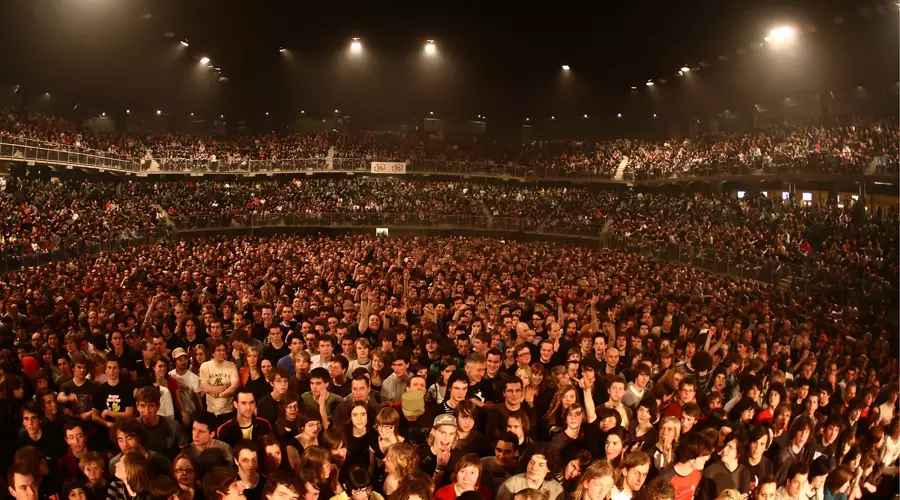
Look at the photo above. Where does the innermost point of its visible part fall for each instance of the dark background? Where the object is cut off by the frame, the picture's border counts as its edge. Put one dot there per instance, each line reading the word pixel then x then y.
pixel 497 59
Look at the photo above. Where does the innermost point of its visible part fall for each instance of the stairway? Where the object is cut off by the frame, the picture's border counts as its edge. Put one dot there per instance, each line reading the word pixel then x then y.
pixel 620 172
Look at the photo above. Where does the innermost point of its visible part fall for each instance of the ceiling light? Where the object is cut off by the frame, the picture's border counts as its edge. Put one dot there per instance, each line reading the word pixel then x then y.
pixel 566 67
pixel 685 69
pixel 184 42
pixel 158 112
pixel 430 47
pixel 619 115
pixel 356 46
pixel 650 83
pixel 204 60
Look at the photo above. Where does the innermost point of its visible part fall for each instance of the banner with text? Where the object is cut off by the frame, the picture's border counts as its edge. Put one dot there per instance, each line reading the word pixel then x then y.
pixel 388 167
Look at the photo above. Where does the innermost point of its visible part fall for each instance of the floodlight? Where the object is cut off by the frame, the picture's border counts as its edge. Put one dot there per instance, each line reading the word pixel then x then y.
pixel 356 46
pixel 781 34
pixel 103 113
pixel 654 115
pixel 184 42
pixel 685 69
pixel 282 50
pixel 619 115
pixel 566 67
pixel 127 111
pixel 650 83
pixel 267 113
pixel 430 47
pixel 552 117
pixel 204 60
pixel 158 112
pixel 585 115
pixel 527 119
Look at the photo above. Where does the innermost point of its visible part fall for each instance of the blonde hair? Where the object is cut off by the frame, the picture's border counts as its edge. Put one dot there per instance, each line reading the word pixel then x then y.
pixel 674 421
pixel 524 373
pixel 596 470
pixel 404 456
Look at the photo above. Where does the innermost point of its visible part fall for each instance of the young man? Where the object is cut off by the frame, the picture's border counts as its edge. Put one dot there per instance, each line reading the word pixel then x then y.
pixel 78 393
pixel 22 483
pixel 300 381
pixel 33 434
pixel 458 389
pixel 267 408
pixel 687 393
pixel 633 469
pixel 276 348
pixel 537 475
pixel 223 483
pixel 189 390
pixel 203 433
pixel 219 380
pixel 513 400
pixel 395 384
pixel 247 462
pixel 114 399
pixel 68 465
pixel 245 424
pixel 129 434
pixel 318 398
pixel 435 458
pixel 360 390
pixel 295 344
pixel 282 486
pixel 326 350
pixel 728 473
pixel 796 449
pixel 163 435
pixel 797 476
pixel 690 459
pixel 636 389
pixel 616 391
pixel 502 464
pixel 756 462
pixel 337 369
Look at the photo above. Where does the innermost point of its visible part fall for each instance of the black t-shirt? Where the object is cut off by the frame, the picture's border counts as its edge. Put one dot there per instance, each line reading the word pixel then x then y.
pixel 762 469
pixel 272 354
pixel 114 398
pixel 357 448
pixel 84 394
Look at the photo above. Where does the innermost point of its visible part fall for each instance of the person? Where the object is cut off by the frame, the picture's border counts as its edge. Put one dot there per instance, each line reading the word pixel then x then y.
pixel 728 473
pixel 245 424
pixel 469 440
pixel 755 460
pixel 219 380
pixel 360 392
pixel 269 406
pixel 77 443
pixel 223 483
pixel 92 465
pixel 797 476
pixel 131 479
pixel 435 457
pixel 282 486
pixel 247 462
pixel 295 346
pixel 203 433
pixel 22 485
pixel 252 373
pixel 77 394
pixel 838 483
pixel 795 449
pixel 596 483
pixel 163 435
pixel 633 469
pixel 685 474
pixel 129 436
pixel 498 467
pixel 185 473
pixel 395 384
pixel 466 477
pixel 189 390
pixel 32 434
pixel 437 391
pixel 318 398
pixel 359 438
pixel 114 398
pixel 337 369
pixel 399 461
pixel 358 486
pixel 538 474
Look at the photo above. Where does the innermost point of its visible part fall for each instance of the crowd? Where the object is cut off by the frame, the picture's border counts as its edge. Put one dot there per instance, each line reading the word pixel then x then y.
pixel 842 148
pixel 433 368
pixel 847 240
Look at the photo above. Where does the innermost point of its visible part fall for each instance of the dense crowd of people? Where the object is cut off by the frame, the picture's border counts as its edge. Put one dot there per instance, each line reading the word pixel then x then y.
pixel 842 148
pixel 434 368
pixel 847 240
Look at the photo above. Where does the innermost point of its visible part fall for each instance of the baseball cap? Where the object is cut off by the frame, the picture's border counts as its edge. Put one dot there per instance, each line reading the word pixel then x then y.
pixel 413 403
pixel 178 352
pixel 445 419
pixel 57 300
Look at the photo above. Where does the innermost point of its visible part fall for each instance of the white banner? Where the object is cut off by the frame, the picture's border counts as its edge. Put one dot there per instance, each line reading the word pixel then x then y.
pixel 388 167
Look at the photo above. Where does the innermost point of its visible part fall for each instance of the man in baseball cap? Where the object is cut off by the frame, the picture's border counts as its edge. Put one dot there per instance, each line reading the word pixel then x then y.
pixel 188 384
pixel 436 459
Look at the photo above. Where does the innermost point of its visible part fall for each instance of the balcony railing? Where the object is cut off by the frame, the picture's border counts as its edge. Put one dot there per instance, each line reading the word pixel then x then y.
pixel 31 150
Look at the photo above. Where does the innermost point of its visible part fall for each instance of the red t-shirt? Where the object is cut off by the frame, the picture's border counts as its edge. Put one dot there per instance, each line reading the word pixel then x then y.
pixel 685 486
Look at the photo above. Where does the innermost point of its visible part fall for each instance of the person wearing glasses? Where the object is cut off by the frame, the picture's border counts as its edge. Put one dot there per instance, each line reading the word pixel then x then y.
pixel 358 486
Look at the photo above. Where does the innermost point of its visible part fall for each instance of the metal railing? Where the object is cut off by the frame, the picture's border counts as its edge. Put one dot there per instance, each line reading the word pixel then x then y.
pixel 22 149
pixel 14 256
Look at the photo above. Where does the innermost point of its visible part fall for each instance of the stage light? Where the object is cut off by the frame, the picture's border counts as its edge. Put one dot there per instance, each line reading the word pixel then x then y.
pixel 654 115
pixel 431 113
pixel 552 117
pixel 527 119
pixel 619 115
pixel 282 50
pixel 192 114
pixel 127 111
pixel 780 34
pixel 566 67
pixel 103 113
pixel 430 47
pixel 204 60
pixel 222 117
pixel 158 112
pixel 184 42
pixel 356 46
pixel 633 88
pixel 585 115
pixel 267 113
pixel 336 111
pixel 685 69
pixel 650 83
pixel 302 112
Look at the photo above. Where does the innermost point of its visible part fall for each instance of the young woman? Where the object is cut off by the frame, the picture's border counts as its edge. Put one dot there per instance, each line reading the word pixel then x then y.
pixel 275 458
pixel 167 386
pixel 387 424
pixel 615 445
pixel 466 477
pixel 131 478
pixel 199 357
pixel 252 376
pixel 574 462
pixel 359 438
pixel 286 425
pixel 469 440
pixel 380 361
pixel 185 474
pixel 566 396
pixel 438 390
pixel 663 453
pixel 519 424
pixel 837 483
pixel 319 461
pixel 597 482
pixel 309 423
pixel 359 486
pixel 642 433
pixel 399 462
pixel 774 398
pixel 573 430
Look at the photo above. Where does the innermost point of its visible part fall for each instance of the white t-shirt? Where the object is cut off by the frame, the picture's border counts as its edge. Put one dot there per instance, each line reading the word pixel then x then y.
pixel 166 405
pixel 219 375
pixel 188 385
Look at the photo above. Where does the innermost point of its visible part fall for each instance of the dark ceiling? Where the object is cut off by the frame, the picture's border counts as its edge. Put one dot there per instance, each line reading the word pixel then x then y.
pixel 500 59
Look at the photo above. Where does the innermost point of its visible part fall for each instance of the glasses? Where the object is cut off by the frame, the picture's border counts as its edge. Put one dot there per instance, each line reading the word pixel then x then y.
pixel 184 470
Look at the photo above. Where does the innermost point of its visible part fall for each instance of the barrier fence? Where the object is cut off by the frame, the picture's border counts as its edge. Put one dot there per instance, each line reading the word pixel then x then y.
pixel 50 153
